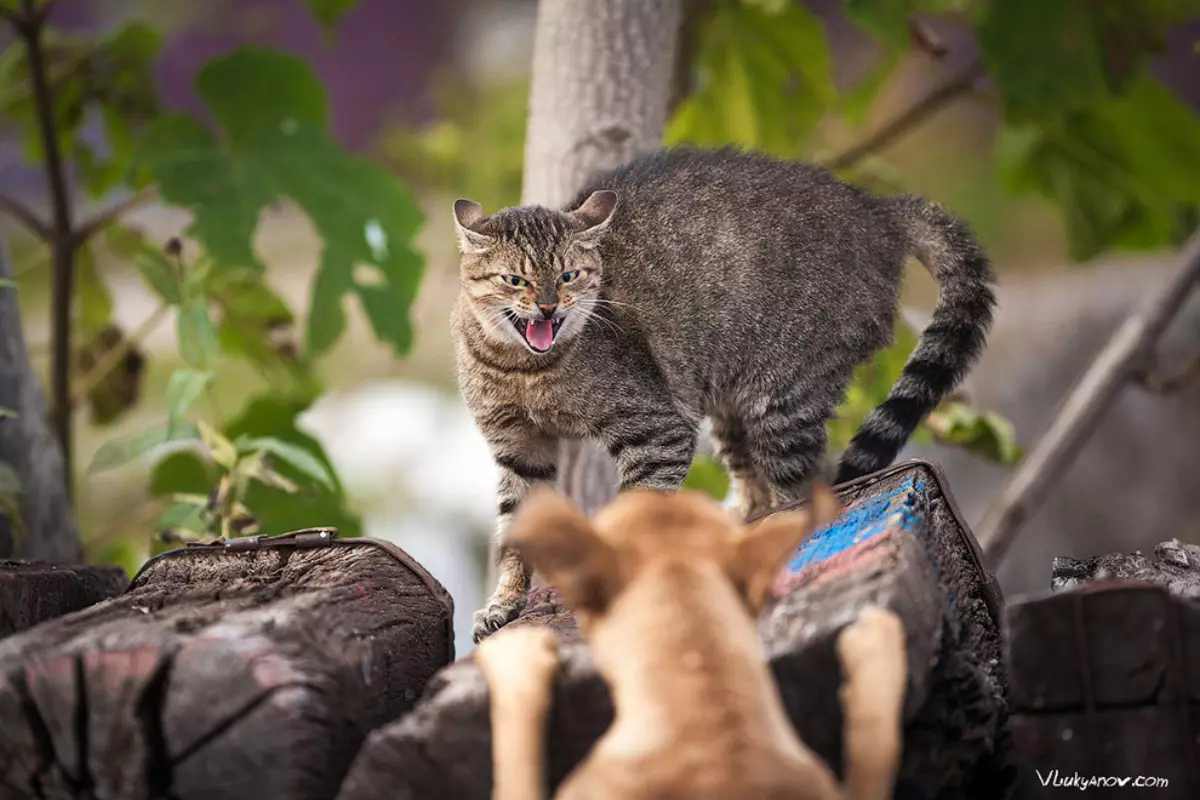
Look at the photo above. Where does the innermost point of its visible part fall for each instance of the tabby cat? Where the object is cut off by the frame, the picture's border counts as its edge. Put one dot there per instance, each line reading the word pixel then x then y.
pixel 692 284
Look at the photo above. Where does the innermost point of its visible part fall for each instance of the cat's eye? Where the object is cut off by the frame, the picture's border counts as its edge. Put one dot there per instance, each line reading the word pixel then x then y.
pixel 514 280
pixel 567 277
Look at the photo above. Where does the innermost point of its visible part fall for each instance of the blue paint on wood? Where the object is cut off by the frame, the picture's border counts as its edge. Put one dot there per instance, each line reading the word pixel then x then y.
pixel 863 520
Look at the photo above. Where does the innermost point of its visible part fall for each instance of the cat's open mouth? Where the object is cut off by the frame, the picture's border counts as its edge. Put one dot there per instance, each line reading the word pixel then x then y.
pixel 539 334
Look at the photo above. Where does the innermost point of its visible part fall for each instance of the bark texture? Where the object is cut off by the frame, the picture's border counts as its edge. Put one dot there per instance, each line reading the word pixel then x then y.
pixel 30 448
pixel 221 674
pixel 901 546
pixel 1105 674
pixel 602 83
pixel 35 592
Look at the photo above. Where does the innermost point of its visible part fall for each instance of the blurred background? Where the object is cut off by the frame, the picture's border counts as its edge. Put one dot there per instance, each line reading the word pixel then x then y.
pixel 436 94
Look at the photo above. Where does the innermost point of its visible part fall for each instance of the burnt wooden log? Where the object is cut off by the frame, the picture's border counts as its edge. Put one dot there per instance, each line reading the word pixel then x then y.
pixel 900 543
pixel 33 592
pixel 1105 676
pixel 249 670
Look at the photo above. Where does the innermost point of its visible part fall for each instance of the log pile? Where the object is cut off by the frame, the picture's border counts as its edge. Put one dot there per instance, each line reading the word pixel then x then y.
pixel 249 670
pixel 1105 675
pixel 33 592
pixel 900 544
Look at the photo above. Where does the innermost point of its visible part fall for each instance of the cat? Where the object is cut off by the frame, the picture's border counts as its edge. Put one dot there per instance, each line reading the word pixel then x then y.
pixel 691 284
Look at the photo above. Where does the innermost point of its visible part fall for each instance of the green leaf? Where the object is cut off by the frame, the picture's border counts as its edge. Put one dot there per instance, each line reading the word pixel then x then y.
pixel 1062 56
pixel 707 475
pixel 156 269
pixel 118 452
pixel 186 512
pixel 198 342
pixel 94 298
pixel 7 413
pixel 8 283
pixel 766 79
pixel 270 416
pixel 888 20
pixel 219 447
pixel 1125 172
pixel 184 388
pixel 299 458
pixel 10 482
pixel 328 12
pixel 983 433
pixel 271 110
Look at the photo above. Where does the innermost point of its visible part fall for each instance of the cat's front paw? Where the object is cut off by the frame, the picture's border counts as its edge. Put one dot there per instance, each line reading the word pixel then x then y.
pixel 498 612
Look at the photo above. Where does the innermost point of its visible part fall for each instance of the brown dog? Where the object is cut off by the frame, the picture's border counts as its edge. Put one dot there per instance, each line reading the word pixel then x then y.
pixel 666 588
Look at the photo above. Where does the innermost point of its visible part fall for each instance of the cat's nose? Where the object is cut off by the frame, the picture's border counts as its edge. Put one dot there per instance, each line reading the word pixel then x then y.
pixel 547 309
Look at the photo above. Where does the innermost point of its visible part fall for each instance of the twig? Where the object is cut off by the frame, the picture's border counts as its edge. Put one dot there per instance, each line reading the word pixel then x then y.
pixel 103 219
pixel 1154 381
pixel 1123 359
pixel 910 118
pixel 63 249
pixel 24 214
pixel 109 361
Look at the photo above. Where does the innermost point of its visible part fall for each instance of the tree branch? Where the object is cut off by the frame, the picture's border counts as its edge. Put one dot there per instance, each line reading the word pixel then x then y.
pixel 62 240
pixel 1123 359
pixel 108 216
pixel 922 110
pixel 24 214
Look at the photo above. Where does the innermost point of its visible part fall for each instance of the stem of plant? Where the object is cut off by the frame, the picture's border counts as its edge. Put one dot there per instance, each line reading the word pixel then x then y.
pixel 62 242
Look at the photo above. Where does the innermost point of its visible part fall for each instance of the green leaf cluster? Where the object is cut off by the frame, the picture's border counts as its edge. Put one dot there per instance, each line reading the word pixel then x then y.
pixel 110 78
pixel 763 79
pixel 272 144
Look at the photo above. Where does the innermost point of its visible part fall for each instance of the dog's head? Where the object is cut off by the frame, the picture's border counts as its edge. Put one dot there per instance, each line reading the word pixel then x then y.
pixel 685 538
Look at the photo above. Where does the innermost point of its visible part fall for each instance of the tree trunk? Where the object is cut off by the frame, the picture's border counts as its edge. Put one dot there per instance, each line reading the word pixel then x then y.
pixel 29 447
pixel 602 84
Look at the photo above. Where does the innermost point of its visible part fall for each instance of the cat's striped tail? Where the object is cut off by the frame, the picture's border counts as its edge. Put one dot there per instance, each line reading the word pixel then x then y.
pixel 949 345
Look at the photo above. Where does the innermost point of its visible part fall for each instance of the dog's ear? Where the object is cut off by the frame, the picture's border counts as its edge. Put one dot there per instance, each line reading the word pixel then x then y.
pixel 760 549
pixel 560 543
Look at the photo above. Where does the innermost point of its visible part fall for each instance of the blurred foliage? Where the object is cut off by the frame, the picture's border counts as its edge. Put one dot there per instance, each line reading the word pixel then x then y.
pixel 475 148
pixel 264 140
pixel 273 144
pixel 1082 125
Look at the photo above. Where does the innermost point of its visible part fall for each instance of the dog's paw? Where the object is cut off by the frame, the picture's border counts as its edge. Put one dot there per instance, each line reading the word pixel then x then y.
pixel 877 633
pixel 522 654
pixel 495 615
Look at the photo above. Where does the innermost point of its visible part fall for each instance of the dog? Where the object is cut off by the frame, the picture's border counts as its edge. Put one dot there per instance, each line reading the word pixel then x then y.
pixel 666 588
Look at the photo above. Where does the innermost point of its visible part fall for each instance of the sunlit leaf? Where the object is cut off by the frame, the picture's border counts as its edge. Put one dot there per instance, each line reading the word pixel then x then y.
pixel 981 432
pixel 277 510
pixel 117 452
pixel 10 482
pixel 184 388
pixel 95 302
pixel 271 110
pixel 219 447
pixel 765 80
pixel 1125 172
pixel 298 457
pixel 151 262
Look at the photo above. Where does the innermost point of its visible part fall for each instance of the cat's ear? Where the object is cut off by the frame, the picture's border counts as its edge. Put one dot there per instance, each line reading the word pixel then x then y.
pixel 760 549
pixel 466 214
pixel 560 543
pixel 595 213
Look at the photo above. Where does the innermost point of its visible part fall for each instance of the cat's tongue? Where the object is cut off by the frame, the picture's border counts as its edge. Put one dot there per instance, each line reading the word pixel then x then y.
pixel 539 333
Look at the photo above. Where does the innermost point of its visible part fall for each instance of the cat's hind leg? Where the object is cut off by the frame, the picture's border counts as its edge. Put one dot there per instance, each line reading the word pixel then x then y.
pixel 755 495
pixel 785 439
